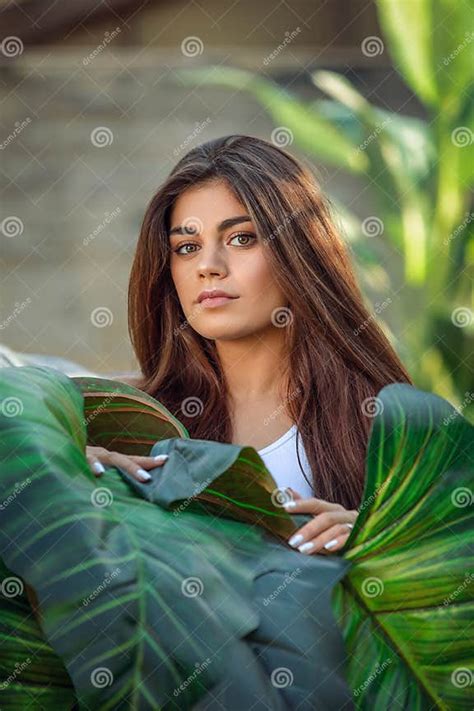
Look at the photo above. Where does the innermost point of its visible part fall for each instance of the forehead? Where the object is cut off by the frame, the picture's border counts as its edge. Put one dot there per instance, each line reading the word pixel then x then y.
pixel 211 203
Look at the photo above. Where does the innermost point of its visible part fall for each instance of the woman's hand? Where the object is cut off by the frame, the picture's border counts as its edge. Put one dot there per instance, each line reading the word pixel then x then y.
pixel 329 529
pixel 133 464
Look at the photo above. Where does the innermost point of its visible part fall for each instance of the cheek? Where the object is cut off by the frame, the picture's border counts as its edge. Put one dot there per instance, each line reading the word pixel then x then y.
pixel 258 283
pixel 181 283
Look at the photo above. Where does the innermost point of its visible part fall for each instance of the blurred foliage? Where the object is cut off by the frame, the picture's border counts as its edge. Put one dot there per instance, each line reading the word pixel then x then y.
pixel 419 172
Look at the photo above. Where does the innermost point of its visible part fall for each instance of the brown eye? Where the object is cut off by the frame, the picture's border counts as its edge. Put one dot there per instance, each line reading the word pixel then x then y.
pixel 243 234
pixel 186 244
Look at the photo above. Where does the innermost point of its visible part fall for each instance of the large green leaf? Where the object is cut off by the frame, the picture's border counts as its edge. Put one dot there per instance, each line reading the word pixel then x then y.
pixel 406 606
pixel 392 168
pixel 151 597
pixel 431 44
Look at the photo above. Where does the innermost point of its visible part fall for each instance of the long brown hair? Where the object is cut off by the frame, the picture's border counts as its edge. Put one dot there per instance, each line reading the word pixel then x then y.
pixel 339 358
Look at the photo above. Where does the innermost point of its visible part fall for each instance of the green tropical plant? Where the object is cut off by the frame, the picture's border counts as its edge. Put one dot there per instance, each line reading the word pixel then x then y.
pixel 419 171
pixel 166 594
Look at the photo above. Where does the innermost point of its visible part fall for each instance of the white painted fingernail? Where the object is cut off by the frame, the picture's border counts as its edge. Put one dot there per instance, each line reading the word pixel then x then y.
pixel 161 457
pixel 289 504
pixel 306 547
pixel 331 544
pixel 144 475
pixel 294 540
pixel 98 467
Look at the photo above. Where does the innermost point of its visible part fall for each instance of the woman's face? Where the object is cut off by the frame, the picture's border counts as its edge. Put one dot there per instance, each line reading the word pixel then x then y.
pixel 227 257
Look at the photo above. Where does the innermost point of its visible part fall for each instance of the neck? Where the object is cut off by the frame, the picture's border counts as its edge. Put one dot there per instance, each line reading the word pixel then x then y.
pixel 254 367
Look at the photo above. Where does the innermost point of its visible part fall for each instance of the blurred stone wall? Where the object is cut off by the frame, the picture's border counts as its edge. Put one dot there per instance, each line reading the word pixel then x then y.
pixel 92 123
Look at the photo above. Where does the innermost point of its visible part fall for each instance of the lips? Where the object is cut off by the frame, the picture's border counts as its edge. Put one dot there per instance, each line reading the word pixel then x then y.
pixel 215 295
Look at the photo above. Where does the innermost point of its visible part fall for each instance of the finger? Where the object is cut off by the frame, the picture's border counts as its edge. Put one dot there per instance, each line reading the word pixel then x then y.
pixel 149 462
pixel 330 541
pixel 295 494
pixel 96 466
pixel 319 524
pixel 127 464
pixel 312 505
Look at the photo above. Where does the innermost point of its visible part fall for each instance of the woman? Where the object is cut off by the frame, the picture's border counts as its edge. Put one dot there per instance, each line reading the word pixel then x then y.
pixel 291 352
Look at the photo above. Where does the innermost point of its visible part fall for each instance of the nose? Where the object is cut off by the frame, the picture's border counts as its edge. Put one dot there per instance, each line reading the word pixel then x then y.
pixel 211 262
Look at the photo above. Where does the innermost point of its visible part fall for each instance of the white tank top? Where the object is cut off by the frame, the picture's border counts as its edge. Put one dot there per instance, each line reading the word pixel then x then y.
pixel 281 461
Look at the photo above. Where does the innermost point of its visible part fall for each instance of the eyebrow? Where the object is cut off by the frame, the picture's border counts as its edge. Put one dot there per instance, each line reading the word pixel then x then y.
pixel 224 225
